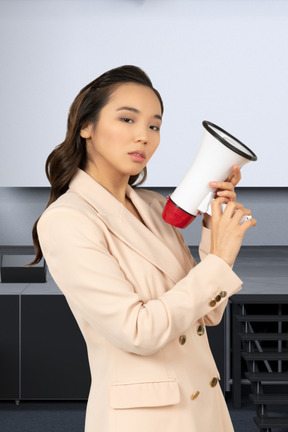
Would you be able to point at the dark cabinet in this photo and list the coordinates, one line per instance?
(42, 351)
(9, 347)
(54, 361)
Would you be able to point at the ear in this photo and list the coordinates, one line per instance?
(85, 132)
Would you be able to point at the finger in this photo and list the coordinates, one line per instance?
(216, 206)
(240, 213)
(222, 185)
(231, 195)
(232, 207)
(248, 224)
(236, 176)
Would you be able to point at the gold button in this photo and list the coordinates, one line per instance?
(223, 294)
(218, 298)
(214, 382)
(200, 330)
(212, 303)
(195, 395)
(182, 339)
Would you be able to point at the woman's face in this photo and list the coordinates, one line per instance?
(126, 134)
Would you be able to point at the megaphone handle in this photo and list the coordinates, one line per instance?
(223, 206)
(205, 205)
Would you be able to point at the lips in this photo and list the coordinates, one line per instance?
(138, 155)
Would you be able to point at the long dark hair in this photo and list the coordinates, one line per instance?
(62, 163)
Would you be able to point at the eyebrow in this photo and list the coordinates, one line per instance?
(137, 111)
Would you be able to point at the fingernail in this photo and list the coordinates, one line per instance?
(213, 183)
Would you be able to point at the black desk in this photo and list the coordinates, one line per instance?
(264, 271)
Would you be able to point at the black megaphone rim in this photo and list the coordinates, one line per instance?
(208, 126)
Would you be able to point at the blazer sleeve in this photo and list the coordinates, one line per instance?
(79, 260)
(215, 316)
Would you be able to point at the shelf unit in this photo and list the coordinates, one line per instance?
(260, 331)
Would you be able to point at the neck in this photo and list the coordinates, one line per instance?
(117, 187)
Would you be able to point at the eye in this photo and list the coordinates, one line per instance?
(126, 120)
(155, 128)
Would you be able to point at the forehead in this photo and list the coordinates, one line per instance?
(136, 96)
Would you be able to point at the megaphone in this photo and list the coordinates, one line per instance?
(218, 152)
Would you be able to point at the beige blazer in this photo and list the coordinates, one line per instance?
(142, 305)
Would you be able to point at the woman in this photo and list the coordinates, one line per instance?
(138, 296)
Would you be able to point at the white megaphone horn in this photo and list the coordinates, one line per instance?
(218, 153)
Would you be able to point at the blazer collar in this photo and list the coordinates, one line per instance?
(148, 239)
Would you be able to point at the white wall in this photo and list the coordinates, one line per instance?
(221, 60)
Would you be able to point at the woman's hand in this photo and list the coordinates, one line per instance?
(227, 233)
(225, 189)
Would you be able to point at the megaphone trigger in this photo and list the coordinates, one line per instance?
(223, 206)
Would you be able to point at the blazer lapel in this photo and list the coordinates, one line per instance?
(142, 238)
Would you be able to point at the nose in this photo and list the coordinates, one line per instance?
(141, 136)
(141, 140)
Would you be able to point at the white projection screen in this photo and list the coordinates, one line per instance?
(224, 61)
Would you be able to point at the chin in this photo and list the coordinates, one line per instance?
(137, 172)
